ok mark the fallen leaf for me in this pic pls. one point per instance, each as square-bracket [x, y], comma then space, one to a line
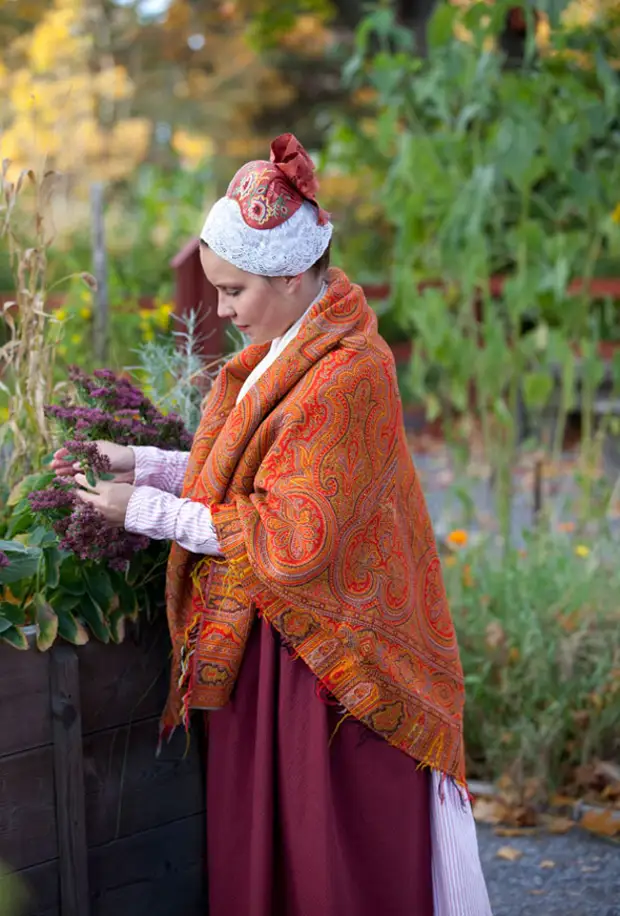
[547, 863]
[488, 811]
[562, 801]
[509, 853]
[558, 825]
[605, 822]
[608, 770]
[514, 831]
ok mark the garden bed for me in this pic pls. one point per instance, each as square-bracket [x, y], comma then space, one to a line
[90, 820]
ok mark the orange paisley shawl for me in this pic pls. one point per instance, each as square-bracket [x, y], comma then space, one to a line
[325, 532]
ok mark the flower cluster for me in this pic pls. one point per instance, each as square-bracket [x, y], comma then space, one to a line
[55, 502]
[4, 560]
[89, 455]
[86, 534]
[111, 408]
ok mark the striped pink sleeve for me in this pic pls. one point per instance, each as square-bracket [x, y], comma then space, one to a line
[156, 467]
[459, 887]
[165, 517]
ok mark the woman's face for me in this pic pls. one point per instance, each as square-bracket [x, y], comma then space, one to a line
[262, 309]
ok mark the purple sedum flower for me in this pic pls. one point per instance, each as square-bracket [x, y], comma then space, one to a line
[4, 560]
[111, 408]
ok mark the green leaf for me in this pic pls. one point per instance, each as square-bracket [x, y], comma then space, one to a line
[71, 579]
[440, 28]
[41, 537]
[46, 623]
[71, 629]
[24, 562]
[92, 614]
[90, 478]
[99, 587]
[53, 560]
[537, 388]
[14, 613]
[33, 482]
[4, 624]
[22, 518]
[127, 596]
[136, 567]
[15, 638]
[117, 625]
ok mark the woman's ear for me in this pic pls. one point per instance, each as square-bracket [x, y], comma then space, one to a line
[292, 284]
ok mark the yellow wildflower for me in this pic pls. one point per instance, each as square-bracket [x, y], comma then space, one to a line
[62, 350]
[76, 339]
[457, 538]
[85, 313]
[616, 214]
[162, 316]
[60, 315]
[582, 551]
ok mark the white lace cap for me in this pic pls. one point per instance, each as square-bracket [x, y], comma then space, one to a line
[284, 251]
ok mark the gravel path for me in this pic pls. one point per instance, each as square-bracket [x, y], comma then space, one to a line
[584, 879]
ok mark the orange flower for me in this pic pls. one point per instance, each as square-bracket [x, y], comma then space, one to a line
[468, 579]
[566, 527]
[457, 538]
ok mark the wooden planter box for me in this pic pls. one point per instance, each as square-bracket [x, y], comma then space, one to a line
[90, 820]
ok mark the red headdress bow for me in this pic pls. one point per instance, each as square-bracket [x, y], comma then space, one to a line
[293, 161]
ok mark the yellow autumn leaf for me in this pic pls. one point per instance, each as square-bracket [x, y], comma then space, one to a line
[509, 854]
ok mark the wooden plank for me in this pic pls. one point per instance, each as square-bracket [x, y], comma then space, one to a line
[124, 683]
[42, 886]
[24, 711]
[27, 808]
[69, 780]
[129, 789]
[155, 873]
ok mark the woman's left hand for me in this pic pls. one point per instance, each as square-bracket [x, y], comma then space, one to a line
[109, 498]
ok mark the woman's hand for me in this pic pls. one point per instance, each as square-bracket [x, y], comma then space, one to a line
[109, 498]
[121, 457]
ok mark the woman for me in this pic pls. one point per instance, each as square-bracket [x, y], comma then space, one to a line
[304, 591]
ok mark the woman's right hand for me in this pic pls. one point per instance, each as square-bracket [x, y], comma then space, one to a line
[121, 457]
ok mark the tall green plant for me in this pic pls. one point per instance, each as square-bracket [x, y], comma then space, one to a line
[492, 171]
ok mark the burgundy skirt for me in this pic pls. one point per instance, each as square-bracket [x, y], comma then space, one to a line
[299, 826]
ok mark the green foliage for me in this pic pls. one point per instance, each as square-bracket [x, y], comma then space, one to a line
[58, 594]
[479, 170]
[272, 21]
[172, 372]
[540, 647]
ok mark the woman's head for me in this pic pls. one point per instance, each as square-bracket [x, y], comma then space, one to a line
[265, 245]
[262, 308]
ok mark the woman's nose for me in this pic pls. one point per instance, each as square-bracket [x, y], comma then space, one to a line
[224, 310]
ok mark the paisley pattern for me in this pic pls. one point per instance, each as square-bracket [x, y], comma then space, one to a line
[325, 531]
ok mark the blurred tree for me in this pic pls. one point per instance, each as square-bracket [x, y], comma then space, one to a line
[64, 99]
